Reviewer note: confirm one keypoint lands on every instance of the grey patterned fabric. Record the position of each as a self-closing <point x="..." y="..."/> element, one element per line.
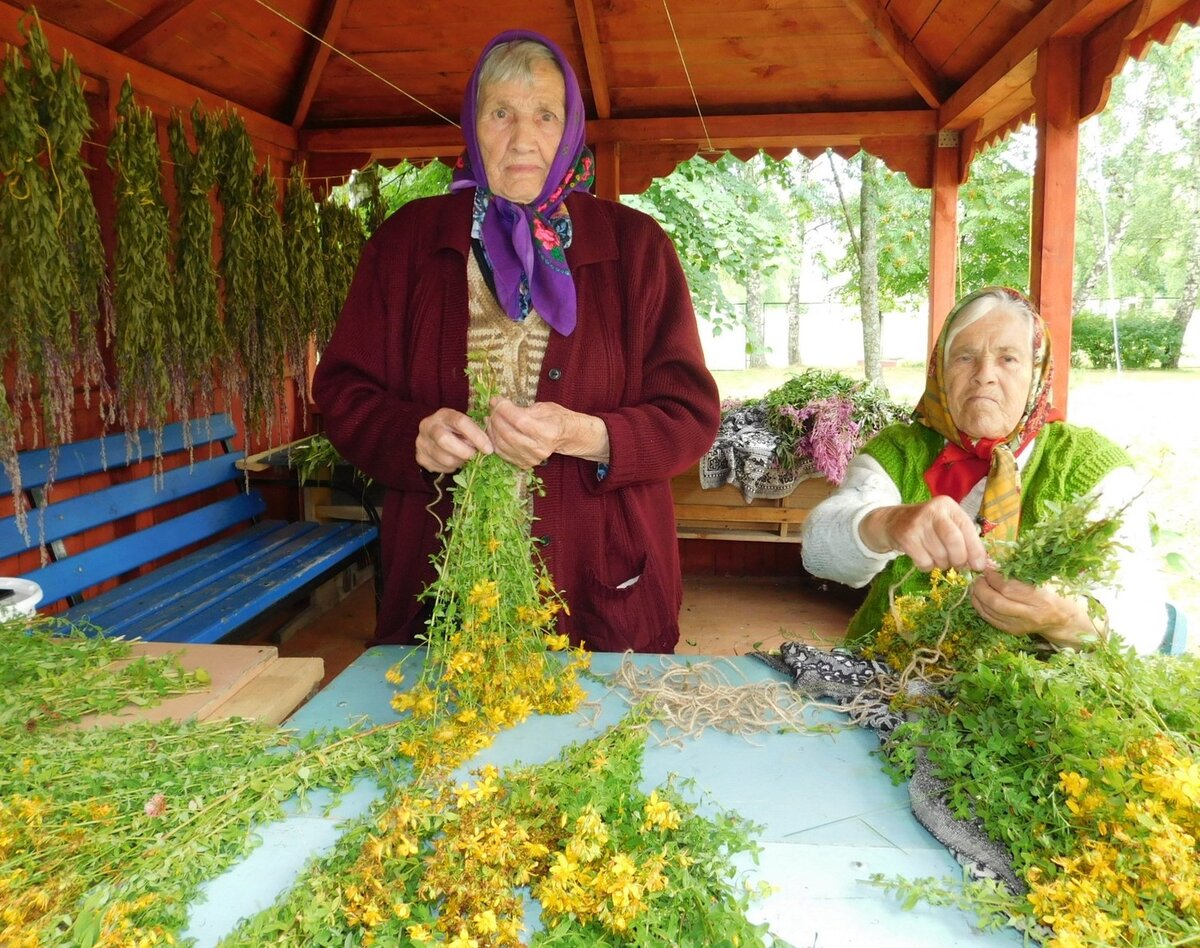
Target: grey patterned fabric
<point x="844" y="678"/>
<point x="742" y="455"/>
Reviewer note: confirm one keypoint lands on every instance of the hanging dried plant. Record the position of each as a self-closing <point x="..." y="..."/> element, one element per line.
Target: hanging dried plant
<point x="65" y="119"/>
<point x="238" y="265"/>
<point x="144" y="293"/>
<point x="266" y="379"/>
<point x="307" y="289"/>
<point x="35" y="279"/>
<point x="366" y="186"/>
<point x="342" y="240"/>
<point x="202" y="336"/>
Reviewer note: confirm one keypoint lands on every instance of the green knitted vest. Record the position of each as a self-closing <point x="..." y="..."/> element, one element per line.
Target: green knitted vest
<point x="1067" y="462"/>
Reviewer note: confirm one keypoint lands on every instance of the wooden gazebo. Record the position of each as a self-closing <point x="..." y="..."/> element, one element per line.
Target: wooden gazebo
<point x="922" y="84"/>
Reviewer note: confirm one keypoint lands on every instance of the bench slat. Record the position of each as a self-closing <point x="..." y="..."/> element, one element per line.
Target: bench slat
<point x="133" y="600"/>
<point x="260" y="582"/>
<point x="69" y="517"/>
<point x="98" y="454"/>
<point x="82" y="570"/>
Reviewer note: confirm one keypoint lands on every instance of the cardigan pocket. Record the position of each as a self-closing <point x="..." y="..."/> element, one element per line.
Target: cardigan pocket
<point x="626" y="609"/>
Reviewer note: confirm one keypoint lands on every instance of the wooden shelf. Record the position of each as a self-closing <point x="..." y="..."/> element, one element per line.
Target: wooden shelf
<point x="723" y="514"/>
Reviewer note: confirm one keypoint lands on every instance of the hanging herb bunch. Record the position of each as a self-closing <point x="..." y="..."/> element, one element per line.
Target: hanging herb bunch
<point x="342" y="240"/>
<point x="36" y="279"/>
<point x="307" y="291"/>
<point x="235" y="189"/>
<point x="144" y="293"/>
<point x="366" y="185"/>
<point x="64" y="117"/>
<point x="202" y="337"/>
<point x="265" y="378"/>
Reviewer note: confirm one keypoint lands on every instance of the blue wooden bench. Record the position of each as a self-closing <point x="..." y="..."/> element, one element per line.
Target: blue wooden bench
<point x="208" y="593"/>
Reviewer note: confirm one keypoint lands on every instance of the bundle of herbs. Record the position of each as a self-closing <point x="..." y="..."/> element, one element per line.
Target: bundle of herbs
<point x="821" y="417"/>
<point x="1083" y="763"/>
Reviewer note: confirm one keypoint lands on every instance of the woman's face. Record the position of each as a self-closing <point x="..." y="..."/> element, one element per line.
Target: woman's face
<point x="988" y="371"/>
<point x="519" y="125"/>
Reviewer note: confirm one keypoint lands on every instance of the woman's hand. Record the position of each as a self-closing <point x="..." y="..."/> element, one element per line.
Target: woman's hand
<point x="447" y="439"/>
<point x="527" y="436"/>
<point x="1021" y="609"/>
<point x="935" y="534"/>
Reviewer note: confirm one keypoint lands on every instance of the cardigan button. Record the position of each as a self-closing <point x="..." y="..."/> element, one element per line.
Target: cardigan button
<point x="554" y="374"/>
<point x="544" y="539"/>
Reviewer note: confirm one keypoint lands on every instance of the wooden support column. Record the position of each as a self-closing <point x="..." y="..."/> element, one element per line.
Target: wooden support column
<point x="943" y="231"/>
<point x="1052" y="237"/>
<point x="608" y="170"/>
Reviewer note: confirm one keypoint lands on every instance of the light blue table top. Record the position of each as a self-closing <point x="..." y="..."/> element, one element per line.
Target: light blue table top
<point x="831" y="818"/>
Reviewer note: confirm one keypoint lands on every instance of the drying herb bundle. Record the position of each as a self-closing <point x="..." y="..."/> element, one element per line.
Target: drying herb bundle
<point x="203" y="344"/>
<point x="367" y="187"/>
<point x="341" y="245"/>
<point x="940" y="631"/>
<point x="144" y="294"/>
<point x="65" y="120"/>
<point x="307" y="292"/>
<point x="265" y="377"/>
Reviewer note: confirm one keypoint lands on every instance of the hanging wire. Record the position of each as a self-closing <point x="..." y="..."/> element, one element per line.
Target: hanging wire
<point x="687" y="74"/>
<point x="363" y="66"/>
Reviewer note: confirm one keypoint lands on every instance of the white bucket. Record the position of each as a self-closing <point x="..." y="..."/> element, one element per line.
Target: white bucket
<point x="24" y="599"/>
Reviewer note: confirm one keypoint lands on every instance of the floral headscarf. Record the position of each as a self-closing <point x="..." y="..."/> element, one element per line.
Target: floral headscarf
<point x="964" y="461"/>
<point x="524" y="243"/>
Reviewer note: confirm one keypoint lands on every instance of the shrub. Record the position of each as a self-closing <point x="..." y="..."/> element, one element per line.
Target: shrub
<point x="1146" y="341"/>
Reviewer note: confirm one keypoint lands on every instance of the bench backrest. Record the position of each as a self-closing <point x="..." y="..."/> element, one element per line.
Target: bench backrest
<point x="56" y="523"/>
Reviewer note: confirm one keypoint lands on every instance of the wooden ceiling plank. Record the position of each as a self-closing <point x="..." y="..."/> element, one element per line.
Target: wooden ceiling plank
<point x="112" y="67"/>
<point x="333" y="15"/>
<point x="966" y="105"/>
<point x="727" y="131"/>
<point x="899" y="49"/>
<point x="162" y="18"/>
<point x="1105" y="51"/>
<point x="593" y="56"/>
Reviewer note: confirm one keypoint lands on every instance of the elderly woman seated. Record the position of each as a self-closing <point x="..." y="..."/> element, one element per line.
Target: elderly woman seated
<point x="984" y="455"/>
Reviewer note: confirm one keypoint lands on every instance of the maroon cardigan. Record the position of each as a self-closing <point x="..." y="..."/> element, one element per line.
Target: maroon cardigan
<point x="399" y="353"/>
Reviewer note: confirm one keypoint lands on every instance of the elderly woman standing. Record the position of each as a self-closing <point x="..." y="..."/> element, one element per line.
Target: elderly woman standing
<point x="985" y="454"/>
<point x="581" y="306"/>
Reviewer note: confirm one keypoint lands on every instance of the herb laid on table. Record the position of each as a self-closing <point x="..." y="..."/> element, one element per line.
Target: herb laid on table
<point x="144" y="287"/>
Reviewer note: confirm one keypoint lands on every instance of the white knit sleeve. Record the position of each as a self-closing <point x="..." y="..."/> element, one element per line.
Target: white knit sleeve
<point x="830" y="543"/>
<point x="1136" y="600"/>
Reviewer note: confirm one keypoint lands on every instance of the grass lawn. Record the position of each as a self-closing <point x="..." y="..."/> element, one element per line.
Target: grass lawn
<point x="1155" y="415"/>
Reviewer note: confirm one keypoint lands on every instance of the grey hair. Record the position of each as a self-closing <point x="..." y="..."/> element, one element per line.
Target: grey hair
<point x="989" y="301"/>
<point x="514" y="61"/>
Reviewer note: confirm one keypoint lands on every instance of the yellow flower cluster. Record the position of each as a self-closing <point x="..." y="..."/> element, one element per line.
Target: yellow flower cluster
<point x="1138" y="822"/>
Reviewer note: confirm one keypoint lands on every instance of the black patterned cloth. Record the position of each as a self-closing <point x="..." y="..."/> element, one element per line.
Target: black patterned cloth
<point x="860" y="685"/>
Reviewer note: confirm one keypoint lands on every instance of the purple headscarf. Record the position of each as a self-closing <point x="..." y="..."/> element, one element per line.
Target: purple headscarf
<point x="520" y="239"/>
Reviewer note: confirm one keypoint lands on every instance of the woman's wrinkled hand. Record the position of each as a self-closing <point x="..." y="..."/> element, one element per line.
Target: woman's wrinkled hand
<point x="447" y="439"/>
<point x="935" y="534"/>
<point x="1019" y="608"/>
<point x="527" y="436"/>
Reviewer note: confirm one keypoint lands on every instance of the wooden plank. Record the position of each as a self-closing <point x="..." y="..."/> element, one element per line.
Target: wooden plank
<point x="93" y="455"/>
<point x="248" y="591"/>
<point x="83" y="570"/>
<point x="121" y="610"/>
<point x="70" y="517"/>
<point x="593" y="55"/>
<point x="272" y="695"/>
<point x="231" y="667"/>
<point x="899" y="48"/>
<point x="333" y="14"/>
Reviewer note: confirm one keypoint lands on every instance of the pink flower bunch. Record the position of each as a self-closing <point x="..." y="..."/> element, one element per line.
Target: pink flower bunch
<point x="831" y="435"/>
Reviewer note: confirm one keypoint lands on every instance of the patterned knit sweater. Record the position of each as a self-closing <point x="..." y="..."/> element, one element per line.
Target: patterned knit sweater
<point x="1067" y="462"/>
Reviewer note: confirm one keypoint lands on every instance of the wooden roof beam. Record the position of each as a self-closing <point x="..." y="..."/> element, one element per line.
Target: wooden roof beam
<point x="333" y="14"/>
<point x="787" y="130"/>
<point x="899" y="48"/>
<point x="160" y="20"/>
<point x="593" y="56"/>
<point x="992" y="81"/>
